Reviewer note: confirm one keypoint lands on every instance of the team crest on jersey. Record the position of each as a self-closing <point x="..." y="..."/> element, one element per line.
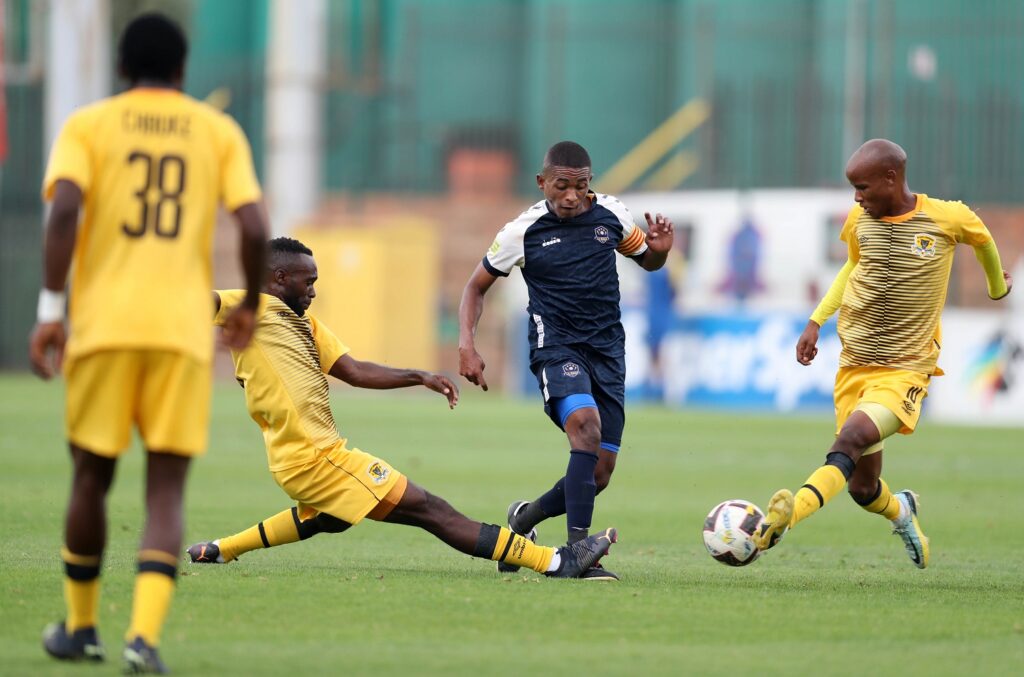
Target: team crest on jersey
<point x="924" y="245"/>
<point x="571" y="369"/>
<point x="601" y="234"/>
<point x="378" y="472"/>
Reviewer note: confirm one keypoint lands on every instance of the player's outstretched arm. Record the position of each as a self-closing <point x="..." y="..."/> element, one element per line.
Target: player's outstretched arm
<point x="241" y="323"/>
<point x="471" y="365"/>
<point x="660" y="235"/>
<point x="998" y="280"/>
<point x="46" y="343"/>
<point x="378" y="377"/>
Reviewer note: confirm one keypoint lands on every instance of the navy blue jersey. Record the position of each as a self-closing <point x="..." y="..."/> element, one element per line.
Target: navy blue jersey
<point x="569" y="268"/>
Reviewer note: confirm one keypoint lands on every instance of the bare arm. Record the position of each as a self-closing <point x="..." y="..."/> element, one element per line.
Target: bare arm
<point x="471" y="365"/>
<point x="46" y="344"/>
<point x="240" y="324"/>
<point x="379" y="377"/>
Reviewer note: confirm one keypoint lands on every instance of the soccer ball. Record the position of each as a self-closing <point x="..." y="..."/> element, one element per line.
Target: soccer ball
<point x="728" y="529"/>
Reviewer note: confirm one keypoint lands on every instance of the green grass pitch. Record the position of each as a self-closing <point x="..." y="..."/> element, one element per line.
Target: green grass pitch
<point x="839" y="597"/>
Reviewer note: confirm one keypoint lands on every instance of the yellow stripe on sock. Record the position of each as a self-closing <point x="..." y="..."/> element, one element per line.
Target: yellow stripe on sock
<point x="281" y="529"/>
<point x="239" y="544"/>
<point x="158" y="556"/>
<point x="79" y="560"/>
<point x="512" y="548"/>
<point x="820" y="488"/>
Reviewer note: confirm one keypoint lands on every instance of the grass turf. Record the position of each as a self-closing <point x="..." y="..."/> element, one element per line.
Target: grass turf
<point x="838" y="597"/>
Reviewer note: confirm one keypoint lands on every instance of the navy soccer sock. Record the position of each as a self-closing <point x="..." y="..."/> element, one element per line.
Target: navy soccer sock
<point x="550" y="504"/>
<point x="580" y="489"/>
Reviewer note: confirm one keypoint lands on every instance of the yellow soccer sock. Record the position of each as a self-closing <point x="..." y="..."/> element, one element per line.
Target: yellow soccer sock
<point x="154" y="588"/>
<point x="820" y="488"/>
<point x="512" y="548"/>
<point x="81" y="589"/>
<point x="277" y="530"/>
<point x="884" y="503"/>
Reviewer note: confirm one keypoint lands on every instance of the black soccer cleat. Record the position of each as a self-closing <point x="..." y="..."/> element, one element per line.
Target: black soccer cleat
<point x="599" y="573"/>
<point x="579" y="557"/>
<point x="513" y="511"/>
<point x="205" y="553"/>
<point x="142" y="659"/>
<point x="81" y="645"/>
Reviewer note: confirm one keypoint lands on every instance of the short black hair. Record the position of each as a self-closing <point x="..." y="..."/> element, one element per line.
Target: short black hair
<point x="567" y="154"/>
<point x="281" y="245"/>
<point x="152" y="47"/>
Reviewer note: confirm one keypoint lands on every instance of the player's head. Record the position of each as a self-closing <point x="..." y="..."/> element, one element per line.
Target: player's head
<point x="877" y="172"/>
<point x="152" y="49"/>
<point x="565" y="179"/>
<point x="291" y="273"/>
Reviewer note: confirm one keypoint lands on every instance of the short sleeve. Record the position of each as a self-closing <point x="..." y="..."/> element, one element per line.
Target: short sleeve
<point x="848" y="233"/>
<point x="229" y="299"/>
<point x="969" y="228"/>
<point x="70" y="158"/>
<point x="328" y="345"/>
<point x="239" y="185"/>
<point x="507" y="250"/>
<point x="634" y="240"/>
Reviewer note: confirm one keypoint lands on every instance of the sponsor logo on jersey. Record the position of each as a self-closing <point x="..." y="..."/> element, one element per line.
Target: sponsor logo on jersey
<point x="571" y="369"/>
<point x="495" y="246"/>
<point x="378" y="472"/>
<point x="924" y="245"/>
<point x="548" y="243"/>
<point x="601" y="234"/>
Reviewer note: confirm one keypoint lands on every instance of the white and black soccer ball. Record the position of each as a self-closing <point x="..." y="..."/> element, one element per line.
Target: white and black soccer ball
<point x="728" y="532"/>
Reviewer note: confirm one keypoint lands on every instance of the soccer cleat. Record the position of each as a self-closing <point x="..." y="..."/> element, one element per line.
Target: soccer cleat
<point x="82" y="644"/>
<point x="513" y="511"/>
<point x="776" y="522"/>
<point x="909" y="529"/>
<point x="599" y="573"/>
<point x="142" y="659"/>
<point x="580" y="557"/>
<point x="205" y="553"/>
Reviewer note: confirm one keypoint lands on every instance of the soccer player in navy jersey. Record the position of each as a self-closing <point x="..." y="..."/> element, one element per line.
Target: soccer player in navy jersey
<point x="565" y="245"/>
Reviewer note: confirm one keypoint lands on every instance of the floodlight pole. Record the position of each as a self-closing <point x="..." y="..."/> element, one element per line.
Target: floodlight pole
<point x="77" y="60"/>
<point x="296" y="72"/>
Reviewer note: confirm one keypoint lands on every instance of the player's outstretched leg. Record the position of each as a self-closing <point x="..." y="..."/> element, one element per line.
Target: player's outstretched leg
<point x="283" y="528"/>
<point x="419" y="508"/>
<point x="514" y="511"/>
<point x="907" y="527"/>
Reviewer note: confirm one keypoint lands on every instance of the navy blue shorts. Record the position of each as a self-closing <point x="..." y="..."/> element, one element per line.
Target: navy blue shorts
<point x="571" y="377"/>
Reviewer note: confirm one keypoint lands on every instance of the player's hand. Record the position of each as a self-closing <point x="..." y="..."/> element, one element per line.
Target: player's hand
<point x="238" y="328"/>
<point x="807" y="346"/>
<point x="659" y="233"/>
<point x="471" y="366"/>
<point x="46" y="348"/>
<point x="1009" y="283"/>
<point x="441" y="384"/>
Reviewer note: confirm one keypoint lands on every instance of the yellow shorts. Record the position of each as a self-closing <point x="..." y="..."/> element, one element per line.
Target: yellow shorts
<point x="898" y="390"/>
<point x="345" y="483"/>
<point x="166" y="394"/>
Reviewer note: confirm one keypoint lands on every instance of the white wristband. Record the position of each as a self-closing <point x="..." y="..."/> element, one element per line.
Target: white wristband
<point x="51" y="306"/>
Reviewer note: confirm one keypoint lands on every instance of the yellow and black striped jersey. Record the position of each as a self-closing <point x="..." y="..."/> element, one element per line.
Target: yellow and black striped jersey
<point x="283" y="371"/>
<point x="152" y="165"/>
<point x="892" y="304"/>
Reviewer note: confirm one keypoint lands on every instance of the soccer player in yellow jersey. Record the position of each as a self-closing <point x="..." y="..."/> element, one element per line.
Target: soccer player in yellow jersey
<point x="889" y="295"/>
<point x="284" y="373"/>
<point x="145" y="170"/>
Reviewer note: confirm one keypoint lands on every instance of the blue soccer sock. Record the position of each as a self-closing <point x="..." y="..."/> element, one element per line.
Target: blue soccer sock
<point x="580" y="489"/>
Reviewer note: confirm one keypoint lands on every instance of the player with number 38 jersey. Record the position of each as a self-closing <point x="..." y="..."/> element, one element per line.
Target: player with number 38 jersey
<point x="134" y="182"/>
<point x="152" y="164"/>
